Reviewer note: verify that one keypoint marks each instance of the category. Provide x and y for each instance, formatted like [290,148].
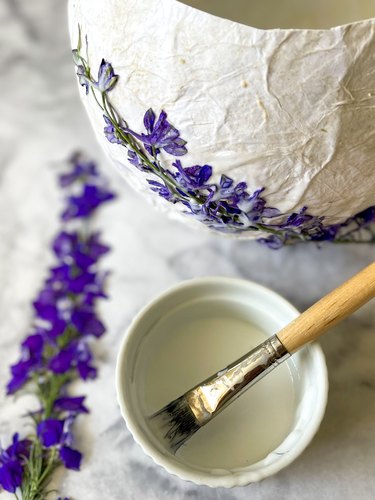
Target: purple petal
[71,404]
[62,362]
[149,120]
[50,431]
[19,448]
[106,77]
[86,371]
[11,474]
[83,205]
[70,458]
[87,323]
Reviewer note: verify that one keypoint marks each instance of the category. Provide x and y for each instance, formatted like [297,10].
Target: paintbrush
[179,420]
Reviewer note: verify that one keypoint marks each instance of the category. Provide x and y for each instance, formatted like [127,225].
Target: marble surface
[42,122]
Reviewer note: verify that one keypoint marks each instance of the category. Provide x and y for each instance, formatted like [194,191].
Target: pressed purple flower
[254,207]
[82,78]
[71,404]
[192,178]
[70,458]
[50,431]
[89,200]
[297,219]
[229,191]
[106,77]
[160,135]
[163,190]
[110,132]
[11,475]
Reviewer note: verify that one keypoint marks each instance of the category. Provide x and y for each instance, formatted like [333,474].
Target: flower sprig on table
[57,351]
[223,206]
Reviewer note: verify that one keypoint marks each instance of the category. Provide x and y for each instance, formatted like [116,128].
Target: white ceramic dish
[268,312]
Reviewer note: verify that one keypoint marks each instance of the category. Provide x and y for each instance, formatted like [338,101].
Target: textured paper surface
[289,110]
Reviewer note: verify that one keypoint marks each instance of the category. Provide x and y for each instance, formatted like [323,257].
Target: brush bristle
[177,423]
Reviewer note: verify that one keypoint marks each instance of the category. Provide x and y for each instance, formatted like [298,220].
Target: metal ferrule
[214,394]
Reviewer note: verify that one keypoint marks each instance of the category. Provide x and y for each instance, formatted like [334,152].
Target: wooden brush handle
[329,310]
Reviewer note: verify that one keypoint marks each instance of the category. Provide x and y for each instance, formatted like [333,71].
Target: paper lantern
[257,133]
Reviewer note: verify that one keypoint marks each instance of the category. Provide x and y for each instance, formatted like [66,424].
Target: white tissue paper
[292,111]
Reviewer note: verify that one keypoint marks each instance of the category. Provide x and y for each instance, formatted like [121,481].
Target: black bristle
[177,423]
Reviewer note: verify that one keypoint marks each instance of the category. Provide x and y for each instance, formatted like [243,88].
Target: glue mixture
[266,14]
[193,342]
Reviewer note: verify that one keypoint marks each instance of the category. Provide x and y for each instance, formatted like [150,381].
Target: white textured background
[42,121]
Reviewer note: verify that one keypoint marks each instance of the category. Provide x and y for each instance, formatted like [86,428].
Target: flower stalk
[58,349]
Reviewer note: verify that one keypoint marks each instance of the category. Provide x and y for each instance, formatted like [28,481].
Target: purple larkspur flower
[82,170]
[71,248]
[106,77]
[18,448]
[192,178]
[52,432]
[160,135]
[11,474]
[71,404]
[83,206]
[87,323]
[12,461]
[45,304]
[76,355]
[255,209]
[232,193]
[63,360]
[71,279]
[297,219]
[31,359]
[70,457]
